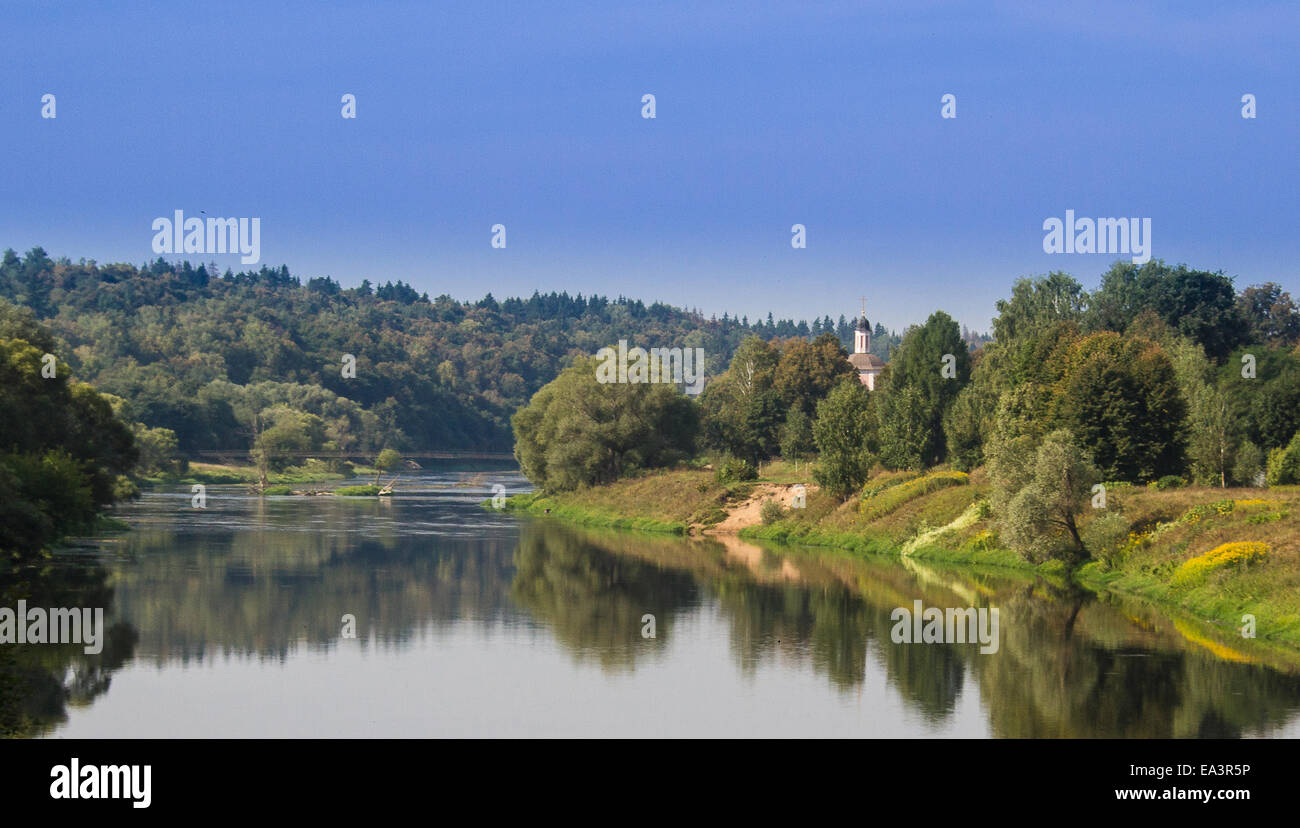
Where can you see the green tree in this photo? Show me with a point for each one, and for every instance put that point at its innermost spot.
(841, 432)
(906, 431)
(741, 411)
(63, 452)
(1215, 434)
(387, 460)
(1040, 519)
(797, 442)
(1120, 398)
(577, 431)
(1271, 315)
(807, 371)
(1268, 405)
(928, 370)
(1284, 464)
(966, 423)
(1251, 460)
(1037, 304)
(286, 433)
(1196, 303)
(158, 450)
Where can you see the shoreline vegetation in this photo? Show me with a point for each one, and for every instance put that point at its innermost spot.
(318, 481)
(1212, 554)
(219, 473)
(1141, 439)
(1063, 444)
(277, 484)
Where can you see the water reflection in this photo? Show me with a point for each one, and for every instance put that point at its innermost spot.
(272, 579)
(39, 682)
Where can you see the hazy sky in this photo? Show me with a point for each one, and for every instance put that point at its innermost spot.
(768, 114)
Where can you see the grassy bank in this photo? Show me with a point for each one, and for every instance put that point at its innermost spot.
(1217, 554)
(1212, 554)
(676, 501)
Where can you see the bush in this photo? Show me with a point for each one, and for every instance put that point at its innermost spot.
(277, 490)
(1284, 464)
(1105, 536)
(1169, 481)
(1250, 462)
(735, 470)
(1206, 511)
(771, 512)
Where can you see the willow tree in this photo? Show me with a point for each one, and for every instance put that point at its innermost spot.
(1042, 497)
(577, 431)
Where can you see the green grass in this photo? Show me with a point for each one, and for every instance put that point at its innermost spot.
(655, 501)
(537, 504)
(220, 473)
(357, 491)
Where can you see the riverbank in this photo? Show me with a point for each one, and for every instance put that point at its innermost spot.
(1221, 556)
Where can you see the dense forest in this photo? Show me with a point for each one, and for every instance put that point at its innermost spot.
(222, 360)
(64, 455)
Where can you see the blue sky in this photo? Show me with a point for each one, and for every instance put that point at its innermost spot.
(768, 114)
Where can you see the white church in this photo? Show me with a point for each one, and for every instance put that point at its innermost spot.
(867, 364)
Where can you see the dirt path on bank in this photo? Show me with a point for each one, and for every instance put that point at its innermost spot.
(748, 513)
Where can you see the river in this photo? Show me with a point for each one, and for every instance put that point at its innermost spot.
(229, 621)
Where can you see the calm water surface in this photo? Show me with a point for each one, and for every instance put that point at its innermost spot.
(227, 622)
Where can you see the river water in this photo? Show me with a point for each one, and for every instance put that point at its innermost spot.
(230, 621)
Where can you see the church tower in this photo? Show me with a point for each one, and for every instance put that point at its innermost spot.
(868, 365)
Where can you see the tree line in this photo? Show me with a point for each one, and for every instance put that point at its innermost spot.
(1163, 371)
(255, 360)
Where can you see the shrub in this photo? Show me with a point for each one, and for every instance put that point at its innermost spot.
(1268, 518)
(1105, 536)
(771, 512)
(1250, 462)
(1228, 554)
(1207, 510)
(734, 470)
(1169, 481)
(1284, 464)
(982, 542)
(277, 490)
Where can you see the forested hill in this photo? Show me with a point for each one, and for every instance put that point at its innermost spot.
(191, 351)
